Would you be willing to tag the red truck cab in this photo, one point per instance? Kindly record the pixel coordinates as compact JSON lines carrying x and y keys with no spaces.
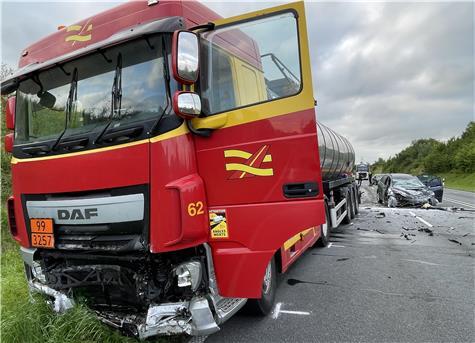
{"x":165,"y":162}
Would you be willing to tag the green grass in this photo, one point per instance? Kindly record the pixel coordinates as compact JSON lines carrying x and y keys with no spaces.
{"x":30,"y":319}
{"x":460,"y":181}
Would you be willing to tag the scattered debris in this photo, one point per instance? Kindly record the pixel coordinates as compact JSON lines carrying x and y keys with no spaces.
{"x":389,"y":277}
{"x":293,"y":282}
{"x":343,"y":259}
{"x":379,"y":231}
{"x":406,"y":235}
{"x":381,"y":215}
{"x":388,"y":221}
{"x":464,"y":218}
{"x":454,"y":241}
{"x":466,"y":235}
{"x":429,"y":231}
{"x":358,"y":228}
{"x":413,"y":241}
{"x":405,"y":228}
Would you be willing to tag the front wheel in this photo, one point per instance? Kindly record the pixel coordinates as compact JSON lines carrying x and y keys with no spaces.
{"x":264,"y":305}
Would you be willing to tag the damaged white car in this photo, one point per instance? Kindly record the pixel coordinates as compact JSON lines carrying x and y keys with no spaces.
{"x":398,"y":190}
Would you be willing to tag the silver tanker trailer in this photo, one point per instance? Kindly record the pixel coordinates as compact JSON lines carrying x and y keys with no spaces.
{"x":337,"y":159}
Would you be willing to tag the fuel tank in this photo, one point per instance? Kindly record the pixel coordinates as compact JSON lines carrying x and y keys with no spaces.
{"x":337,"y":156}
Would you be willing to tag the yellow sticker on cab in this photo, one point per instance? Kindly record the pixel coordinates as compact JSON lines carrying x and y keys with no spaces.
{"x":218,"y":224}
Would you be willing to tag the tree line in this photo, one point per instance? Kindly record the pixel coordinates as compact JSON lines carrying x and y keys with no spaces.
{"x":457,"y":155}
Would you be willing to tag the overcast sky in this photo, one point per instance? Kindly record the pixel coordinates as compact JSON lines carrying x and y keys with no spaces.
{"x":384,"y":74}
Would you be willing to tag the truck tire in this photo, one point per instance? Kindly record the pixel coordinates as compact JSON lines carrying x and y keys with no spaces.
{"x":325,"y":230}
{"x":353,"y":202}
{"x":357,"y":200}
{"x":264,"y":305}
{"x":347,"y":219}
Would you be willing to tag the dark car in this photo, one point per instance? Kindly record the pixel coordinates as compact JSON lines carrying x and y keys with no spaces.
{"x":434,"y":183}
{"x":395,"y":190}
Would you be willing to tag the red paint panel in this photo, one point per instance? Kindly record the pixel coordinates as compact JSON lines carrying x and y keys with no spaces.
{"x":121,"y":167}
{"x":239,"y":271}
{"x":292,"y":144}
{"x":174,"y":185}
{"x":192,"y":208}
{"x":289,"y":256}
{"x":258,"y":231}
{"x":114,"y":20}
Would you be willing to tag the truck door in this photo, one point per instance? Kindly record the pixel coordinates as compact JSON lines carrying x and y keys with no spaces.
{"x":260,"y":165}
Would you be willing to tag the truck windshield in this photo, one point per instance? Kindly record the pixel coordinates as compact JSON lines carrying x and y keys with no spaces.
{"x":42,"y":101}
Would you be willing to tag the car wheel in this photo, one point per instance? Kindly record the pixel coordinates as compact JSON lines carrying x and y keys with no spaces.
{"x":264,"y":305}
{"x":347,"y":219}
{"x":325,"y":230}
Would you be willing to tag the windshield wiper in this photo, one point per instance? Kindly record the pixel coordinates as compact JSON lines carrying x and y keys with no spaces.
{"x":116,"y":97}
{"x":72,"y":98}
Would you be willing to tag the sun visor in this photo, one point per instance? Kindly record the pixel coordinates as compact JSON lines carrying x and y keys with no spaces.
{"x":164,"y":25}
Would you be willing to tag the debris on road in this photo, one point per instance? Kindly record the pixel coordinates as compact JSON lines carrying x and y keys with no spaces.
{"x":343,"y":259}
{"x":455,"y":241}
{"x":429,"y":231}
{"x":381,"y":215}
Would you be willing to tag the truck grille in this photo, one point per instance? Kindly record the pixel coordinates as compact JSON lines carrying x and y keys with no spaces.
{"x":120,"y":220}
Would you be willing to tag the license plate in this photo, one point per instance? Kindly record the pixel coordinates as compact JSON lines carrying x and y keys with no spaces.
{"x":42,"y":233}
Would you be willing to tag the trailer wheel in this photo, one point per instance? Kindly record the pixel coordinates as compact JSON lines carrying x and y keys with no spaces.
{"x":347,"y":219}
{"x":264,"y":305}
{"x":352,"y":206}
{"x":324,"y":230}
{"x":357,"y":200}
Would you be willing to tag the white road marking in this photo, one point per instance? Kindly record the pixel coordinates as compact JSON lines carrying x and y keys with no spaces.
{"x":421,"y":219}
{"x":421,"y":262}
{"x":335,"y":246}
{"x":302,"y":313}
{"x":424,"y":221}
{"x":458,"y":202}
{"x":275,"y":313}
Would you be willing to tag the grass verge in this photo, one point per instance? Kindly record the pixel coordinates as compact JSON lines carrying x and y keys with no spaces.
{"x":460,"y":181}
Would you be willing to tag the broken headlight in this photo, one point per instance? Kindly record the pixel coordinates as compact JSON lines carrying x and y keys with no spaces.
{"x":189,"y":274}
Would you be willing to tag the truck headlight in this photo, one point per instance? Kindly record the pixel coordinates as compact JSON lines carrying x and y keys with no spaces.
{"x":189,"y":274}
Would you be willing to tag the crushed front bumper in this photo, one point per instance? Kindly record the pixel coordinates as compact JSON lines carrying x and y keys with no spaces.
{"x":199,"y":316}
{"x":192,"y":317}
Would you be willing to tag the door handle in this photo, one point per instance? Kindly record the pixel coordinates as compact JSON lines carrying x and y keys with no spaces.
{"x":300,"y":190}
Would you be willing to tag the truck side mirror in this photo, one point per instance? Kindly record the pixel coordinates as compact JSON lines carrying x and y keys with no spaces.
{"x":10,"y":113}
{"x":185,"y":57}
{"x":186,"y":105}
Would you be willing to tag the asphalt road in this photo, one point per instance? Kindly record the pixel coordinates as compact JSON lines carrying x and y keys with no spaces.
{"x":454,"y":198}
{"x":385,"y":277}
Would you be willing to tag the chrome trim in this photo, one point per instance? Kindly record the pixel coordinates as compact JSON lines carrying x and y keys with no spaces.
{"x":61,"y":302}
{"x":27,"y":255}
{"x":116,"y":209}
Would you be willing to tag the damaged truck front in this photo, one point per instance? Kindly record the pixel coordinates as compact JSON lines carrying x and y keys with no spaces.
{"x":165,"y":215}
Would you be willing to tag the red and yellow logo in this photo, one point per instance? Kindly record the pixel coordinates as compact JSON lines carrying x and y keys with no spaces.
{"x":79,"y":33}
{"x":254,"y":165}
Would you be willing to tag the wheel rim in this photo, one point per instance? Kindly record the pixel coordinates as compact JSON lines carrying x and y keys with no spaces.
{"x":267,"y":279}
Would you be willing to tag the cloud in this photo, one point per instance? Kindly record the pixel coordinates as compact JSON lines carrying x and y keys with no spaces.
{"x":384,"y":74}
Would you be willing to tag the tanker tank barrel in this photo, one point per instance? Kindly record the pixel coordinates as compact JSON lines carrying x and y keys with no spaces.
{"x":337,"y":156}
